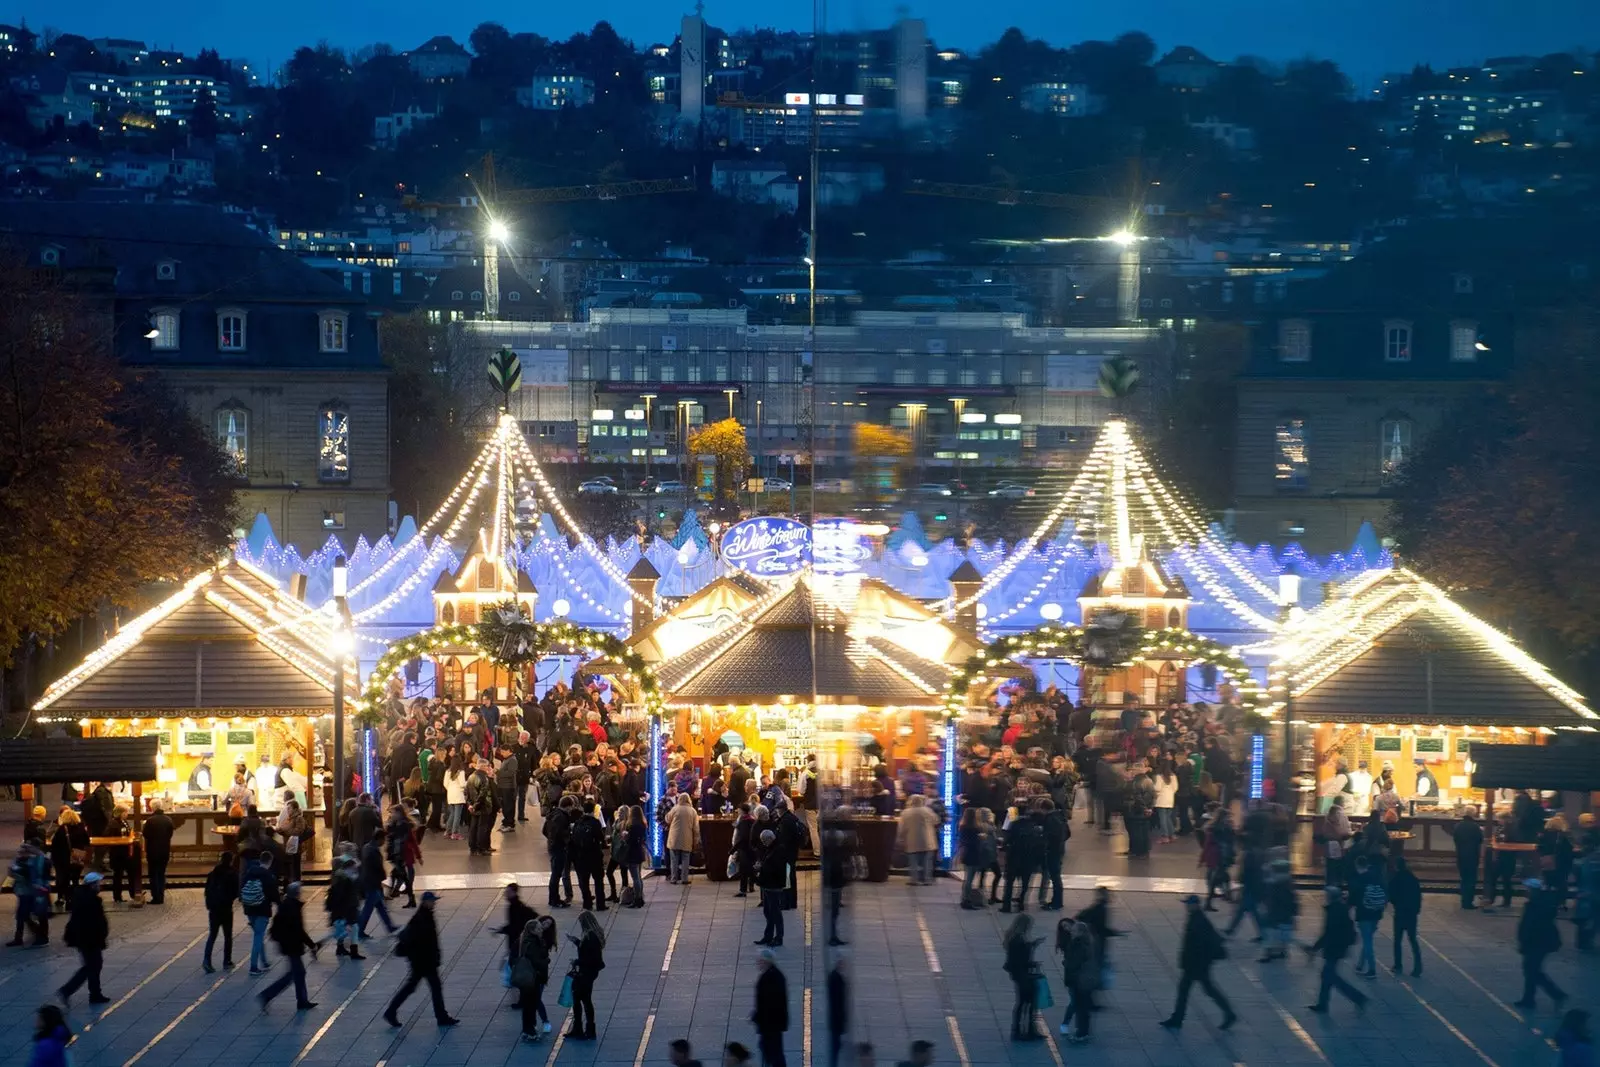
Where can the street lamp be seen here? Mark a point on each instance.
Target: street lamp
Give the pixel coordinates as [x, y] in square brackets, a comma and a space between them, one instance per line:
[648, 430]
[914, 412]
[341, 644]
[683, 437]
[731, 393]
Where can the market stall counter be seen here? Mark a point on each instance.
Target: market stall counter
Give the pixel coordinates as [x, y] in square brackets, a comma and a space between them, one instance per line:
[716, 841]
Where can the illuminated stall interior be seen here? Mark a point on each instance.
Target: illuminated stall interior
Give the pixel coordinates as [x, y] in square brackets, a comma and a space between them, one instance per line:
[229, 669]
[1394, 671]
[810, 663]
[482, 581]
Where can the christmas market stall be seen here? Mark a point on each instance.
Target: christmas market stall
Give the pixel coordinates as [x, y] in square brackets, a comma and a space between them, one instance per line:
[1390, 685]
[232, 677]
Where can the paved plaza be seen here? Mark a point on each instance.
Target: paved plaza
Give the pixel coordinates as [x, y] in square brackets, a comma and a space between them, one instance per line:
[684, 967]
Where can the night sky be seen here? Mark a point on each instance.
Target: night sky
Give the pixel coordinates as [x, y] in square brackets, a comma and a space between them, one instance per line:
[1366, 37]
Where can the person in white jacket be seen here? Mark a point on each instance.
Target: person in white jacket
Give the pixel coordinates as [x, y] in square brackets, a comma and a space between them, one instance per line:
[455, 796]
[1166, 803]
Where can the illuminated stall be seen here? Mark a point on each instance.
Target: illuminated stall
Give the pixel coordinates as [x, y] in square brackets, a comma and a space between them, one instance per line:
[483, 581]
[229, 673]
[1393, 674]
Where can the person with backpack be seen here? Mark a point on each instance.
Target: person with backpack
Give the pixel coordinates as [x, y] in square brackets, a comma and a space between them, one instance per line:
[558, 838]
[518, 915]
[30, 882]
[1202, 946]
[1371, 897]
[403, 851]
[530, 973]
[1405, 893]
[289, 932]
[1080, 973]
[343, 905]
[1338, 934]
[588, 852]
[1024, 855]
[222, 889]
[258, 892]
[372, 877]
[418, 945]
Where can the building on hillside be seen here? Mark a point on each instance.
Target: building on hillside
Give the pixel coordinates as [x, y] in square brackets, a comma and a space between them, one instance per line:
[555, 90]
[171, 96]
[439, 59]
[122, 50]
[1068, 99]
[15, 39]
[386, 129]
[1187, 70]
[1351, 372]
[276, 360]
[456, 294]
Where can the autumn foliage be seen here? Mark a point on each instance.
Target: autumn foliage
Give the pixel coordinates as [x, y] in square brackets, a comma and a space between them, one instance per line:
[724, 440]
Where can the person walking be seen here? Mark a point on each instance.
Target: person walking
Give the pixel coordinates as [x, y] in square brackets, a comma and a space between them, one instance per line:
[558, 838]
[343, 905]
[772, 876]
[1468, 837]
[372, 877]
[1202, 946]
[518, 915]
[1098, 918]
[1080, 973]
[1338, 934]
[1057, 830]
[1252, 878]
[838, 992]
[51, 1036]
[222, 889]
[418, 945]
[587, 847]
[1024, 974]
[589, 961]
[365, 821]
[918, 834]
[258, 892]
[30, 883]
[531, 973]
[87, 931]
[1371, 897]
[771, 1014]
[1405, 893]
[1537, 937]
[683, 832]
[289, 932]
[157, 833]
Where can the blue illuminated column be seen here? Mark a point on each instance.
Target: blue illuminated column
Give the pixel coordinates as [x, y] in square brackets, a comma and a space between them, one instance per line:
[369, 761]
[656, 786]
[947, 792]
[1258, 763]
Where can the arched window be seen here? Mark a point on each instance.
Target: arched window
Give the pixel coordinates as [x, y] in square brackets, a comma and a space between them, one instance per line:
[468, 615]
[1174, 619]
[447, 614]
[333, 444]
[233, 436]
[451, 684]
[488, 577]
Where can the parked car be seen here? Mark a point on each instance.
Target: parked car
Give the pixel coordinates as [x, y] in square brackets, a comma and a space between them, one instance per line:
[602, 486]
[1011, 491]
[649, 485]
[932, 489]
[779, 485]
[671, 486]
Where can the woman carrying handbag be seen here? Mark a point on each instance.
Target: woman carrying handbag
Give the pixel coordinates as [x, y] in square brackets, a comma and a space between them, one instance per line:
[531, 973]
[585, 969]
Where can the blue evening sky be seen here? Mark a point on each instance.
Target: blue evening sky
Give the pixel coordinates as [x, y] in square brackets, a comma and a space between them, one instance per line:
[1366, 37]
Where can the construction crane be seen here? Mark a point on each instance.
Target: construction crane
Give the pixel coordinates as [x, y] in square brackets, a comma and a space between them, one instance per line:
[490, 200]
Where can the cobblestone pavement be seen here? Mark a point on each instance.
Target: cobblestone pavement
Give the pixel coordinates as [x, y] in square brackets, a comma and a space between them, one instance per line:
[684, 967]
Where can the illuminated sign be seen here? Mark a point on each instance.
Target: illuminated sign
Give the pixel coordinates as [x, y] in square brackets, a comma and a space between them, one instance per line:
[797, 99]
[767, 546]
[839, 546]
[1258, 763]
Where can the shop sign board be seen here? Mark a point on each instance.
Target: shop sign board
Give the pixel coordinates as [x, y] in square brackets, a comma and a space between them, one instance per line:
[838, 546]
[197, 741]
[768, 546]
[1390, 743]
[241, 739]
[771, 723]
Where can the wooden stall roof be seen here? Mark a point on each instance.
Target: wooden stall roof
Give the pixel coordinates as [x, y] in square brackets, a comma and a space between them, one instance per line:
[1569, 766]
[78, 759]
[230, 643]
[1397, 649]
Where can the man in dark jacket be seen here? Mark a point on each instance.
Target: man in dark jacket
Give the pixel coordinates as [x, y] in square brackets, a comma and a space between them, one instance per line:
[419, 945]
[289, 932]
[158, 850]
[372, 877]
[1202, 946]
[1405, 895]
[1056, 832]
[1468, 837]
[480, 808]
[738, 775]
[365, 821]
[1025, 853]
[1537, 937]
[771, 1014]
[222, 889]
[517, 916]
[772, 878]
[791, 835]
[402, 759]
[587, 848]
[506, 777]
[1338, 934]
[87, 931]
[527, 758]
[557, 834]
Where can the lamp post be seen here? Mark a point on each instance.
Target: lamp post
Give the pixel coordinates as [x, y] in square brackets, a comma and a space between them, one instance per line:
[914, 421]
[960, 403]
[683, 437]
[730, 394]
[648, 431]
[758, 456]
[1289, 613]
[341, 651]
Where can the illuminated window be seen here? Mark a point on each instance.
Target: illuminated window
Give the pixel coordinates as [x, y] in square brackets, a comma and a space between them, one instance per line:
[333, 445]
[230, 330]
[233, 437]
[1394, 445]
[1294, 341]
[164, 321]
[1291, 467]
[334, 324]
[1463, 341]
[1397, 341]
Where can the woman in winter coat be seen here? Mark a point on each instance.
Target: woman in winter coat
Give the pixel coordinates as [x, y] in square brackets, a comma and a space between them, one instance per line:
[973, 844]
[683, 830]
[70, 836]
[343, 904]
[1079, 973]
[619, 853]
[455, 797]
[918, 835]
[535, 945]
[50, 1038]
[1024, 974]
[744, 848]
[587, 966]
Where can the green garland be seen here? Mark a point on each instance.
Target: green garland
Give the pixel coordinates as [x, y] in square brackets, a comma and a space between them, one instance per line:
[1066, 642]
[489, 638]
